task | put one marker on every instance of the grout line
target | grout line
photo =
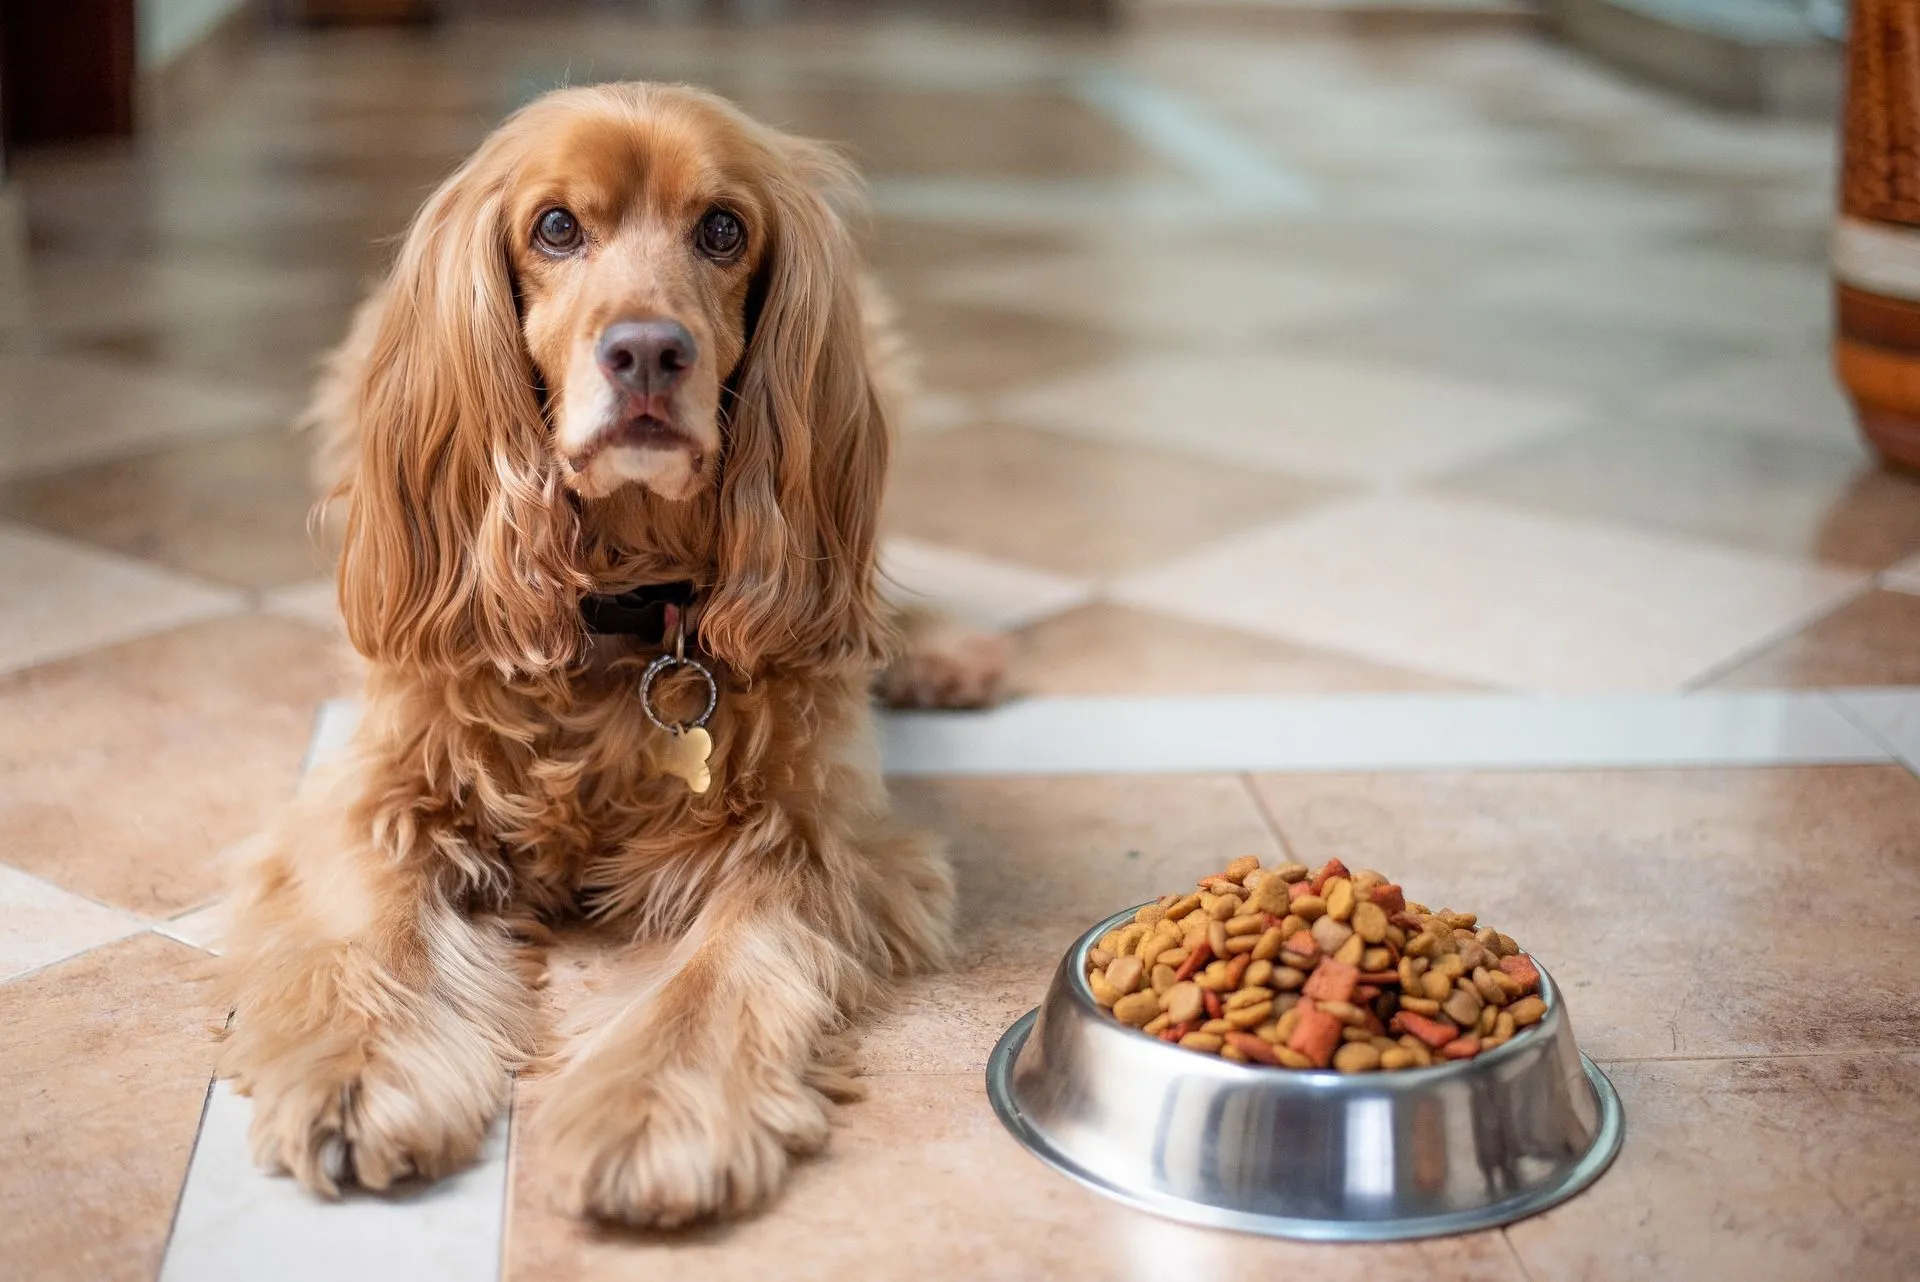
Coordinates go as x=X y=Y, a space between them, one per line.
x=199 y=1128
x=1846 y=1053
x=512 y=1162
x=1865 y=726
x=1514 y=1251
x=1266 y=813
x=1705 y=678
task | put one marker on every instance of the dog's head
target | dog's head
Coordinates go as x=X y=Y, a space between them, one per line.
x=630 y=295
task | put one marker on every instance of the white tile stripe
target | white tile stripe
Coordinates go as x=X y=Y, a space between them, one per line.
x=1181 y=132
x=235 y=1223
x=1376 y=733
x=1151 y=735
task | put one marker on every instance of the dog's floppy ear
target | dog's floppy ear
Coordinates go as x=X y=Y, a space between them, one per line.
x=806 y=444
x=460 y=536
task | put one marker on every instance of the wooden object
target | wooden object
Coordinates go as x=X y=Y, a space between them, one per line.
x=1876 y=259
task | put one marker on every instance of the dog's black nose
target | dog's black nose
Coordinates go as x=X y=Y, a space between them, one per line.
x=647 y=357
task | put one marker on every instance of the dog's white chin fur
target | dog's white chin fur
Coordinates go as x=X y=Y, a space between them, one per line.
x=669 y=471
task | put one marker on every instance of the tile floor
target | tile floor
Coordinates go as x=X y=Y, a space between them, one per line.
x=1426 y=364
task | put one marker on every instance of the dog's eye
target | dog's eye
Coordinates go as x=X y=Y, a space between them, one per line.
x=558 y=231
x=720 y=235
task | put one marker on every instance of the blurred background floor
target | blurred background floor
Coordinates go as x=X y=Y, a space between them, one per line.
x=1295 y=361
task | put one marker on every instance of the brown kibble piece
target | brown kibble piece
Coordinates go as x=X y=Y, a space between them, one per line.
x=1123 y=975
x=1527 y=1011
x=1340 y=901
x=1356 y=1057
x=1239 y=868
x=1369 y=922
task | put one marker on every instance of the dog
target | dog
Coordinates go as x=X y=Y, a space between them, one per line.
x=611 y=442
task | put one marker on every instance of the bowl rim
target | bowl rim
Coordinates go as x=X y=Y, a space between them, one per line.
x=1592 y=1164
x=1076 y=964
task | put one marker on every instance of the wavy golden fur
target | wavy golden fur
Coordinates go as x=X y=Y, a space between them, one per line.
x=503 y=773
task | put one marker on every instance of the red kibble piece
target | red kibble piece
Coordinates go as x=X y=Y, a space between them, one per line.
x=1434 y=1032
x=1332 y=981
x=1328 y=871
x=1390 y=899
x=1521 y=967
x=1316 y=1035
x=1202 y=954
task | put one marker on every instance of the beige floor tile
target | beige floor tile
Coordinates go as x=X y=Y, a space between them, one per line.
x=974 y=350
x=311 y=601
x=1904 y=577
x=59 y=598
x=278 y=350
x=1872 y=641
x=41 y=924
x=1690 y=294
x=133 y=767
x=1643 y=892
x=1041 y=859
x=1314 y=416
x=1545 y=211
x=931 y=129
x=1107 y=649
x=232 y=508
x=1188 y=297
x=75 y=293
x=914 y=248
x=1498 y=597
x=1763 y=493
x=1081 y=508
x=102 y=1076
x=1576 y=355
x=60 y=411
x=1789 y=393
x=1766 y=1170
x=972 y=589
x=920 y=1180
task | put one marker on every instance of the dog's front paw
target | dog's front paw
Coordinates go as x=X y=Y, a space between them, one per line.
x=370 y=1111
x=664 y=1148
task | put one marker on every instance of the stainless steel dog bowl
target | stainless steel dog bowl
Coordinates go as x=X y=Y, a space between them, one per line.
x=1319 y=1155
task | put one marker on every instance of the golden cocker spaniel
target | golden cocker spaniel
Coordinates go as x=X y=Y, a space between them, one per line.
x=612 y=440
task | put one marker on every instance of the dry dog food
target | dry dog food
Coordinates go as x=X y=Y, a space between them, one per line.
x=1314 y=968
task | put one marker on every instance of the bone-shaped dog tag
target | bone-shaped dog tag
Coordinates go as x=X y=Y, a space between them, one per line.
x=687 y=752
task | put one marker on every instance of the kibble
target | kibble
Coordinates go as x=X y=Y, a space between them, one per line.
x=1298 y=968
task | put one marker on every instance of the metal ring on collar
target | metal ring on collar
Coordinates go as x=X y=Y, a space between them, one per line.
x=660 y=665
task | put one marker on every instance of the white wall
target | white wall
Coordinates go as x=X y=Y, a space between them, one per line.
x=168 y=27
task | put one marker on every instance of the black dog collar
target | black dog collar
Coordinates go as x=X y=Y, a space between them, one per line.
x=645 y=612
